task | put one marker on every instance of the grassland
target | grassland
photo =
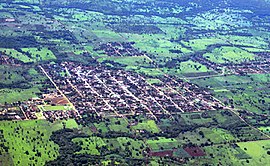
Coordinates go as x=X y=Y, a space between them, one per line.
x=14 y=95
x=56 y=108
x=118 y=125
x=216 y=20
x=134 y=147
x=148 y=125
x=28 y=141
x=257 y=150
x=39 y=54
x=217 y=135
x=10 y=75
x=248 y=41
x=192 y=67
x=150 y=71
x=229 y=55
x=130 y=62
x=90 y=49
x=202 y=44
x=93 y=145
x=245 y=92
x=107 y=35
x=187 y=68
x=89 y=145
x=162 y=143
x=153 y=81
x=6 y=15
x=140 y=64
x=157 y=44
x=17 y=55
x=265 y=129
x=19 y=84
x=254 y=50
x=223 y=154
x=194 y=137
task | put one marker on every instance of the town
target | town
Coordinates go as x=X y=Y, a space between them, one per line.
x=109 y=92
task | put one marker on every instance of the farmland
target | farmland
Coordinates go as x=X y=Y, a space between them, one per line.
x=132 y=82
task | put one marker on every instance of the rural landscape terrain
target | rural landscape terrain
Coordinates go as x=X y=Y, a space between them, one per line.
x=134 y=82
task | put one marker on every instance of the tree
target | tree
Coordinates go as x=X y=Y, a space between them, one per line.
x=268 y=152
x=26 y=152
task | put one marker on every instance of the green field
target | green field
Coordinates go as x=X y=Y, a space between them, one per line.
x=188 y=68
x=149 y=125
x=36 y=54
x=246 y=92
x=223 y=154
x=107 y=35
x=17 y=55
x=217 y=135
x=118 y=125
x=162 y=143
x=201 y=44
x=229 y=55
x=89 y=145
x=265 y=129
x=133 y=147
x=157 y=45
x=129 y=62
x=56 y=108
x=28 y=141
x=11 y=76
x=14 y=95
x=257 y=150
